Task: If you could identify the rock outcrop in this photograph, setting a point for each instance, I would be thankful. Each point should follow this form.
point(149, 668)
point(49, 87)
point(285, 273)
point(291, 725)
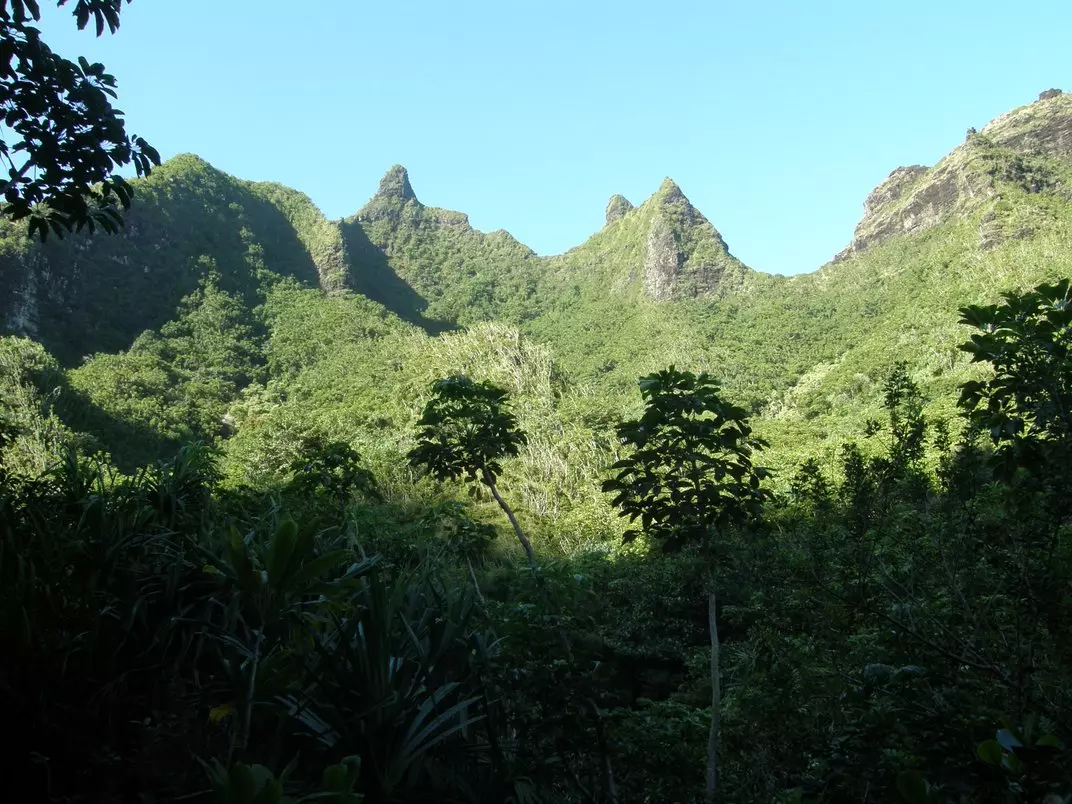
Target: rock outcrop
point(1043, 128)
point(396, 202)
point(913, 199)
point(662, 261)
point(893, 188)
point(1011, 149)
point(395, 184)
point(617, 207)
point(684, 255)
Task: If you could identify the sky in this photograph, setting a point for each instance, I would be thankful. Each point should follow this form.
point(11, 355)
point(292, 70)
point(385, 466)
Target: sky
point(775, 118)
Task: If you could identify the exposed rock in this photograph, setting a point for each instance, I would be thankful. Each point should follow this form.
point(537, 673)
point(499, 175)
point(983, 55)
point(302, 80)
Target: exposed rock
point(891, 208)
point(662, 260)
point(396, 202)
point(685, 256)
point(893, 187)
point(1013, 148)
point(1043, 128)
point(915, 199)
point(22, 314)
point(617, 207)
point(395, 184)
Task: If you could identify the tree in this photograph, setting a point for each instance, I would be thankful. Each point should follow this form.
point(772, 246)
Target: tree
point(63, 140)
point(688, 480)
point(466, 429)
point(332, 471)
point(1026, 405)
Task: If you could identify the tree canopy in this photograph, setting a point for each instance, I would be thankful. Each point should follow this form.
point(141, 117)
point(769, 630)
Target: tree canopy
point(64, 140)
point(690, 469)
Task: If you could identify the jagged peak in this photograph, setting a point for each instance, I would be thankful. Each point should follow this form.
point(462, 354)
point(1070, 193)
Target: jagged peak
point(670, 198)
point(395, 185)
point(669, 190)
point(915, 198)
point(671, 201)
point(617, 207)
point(393, 197)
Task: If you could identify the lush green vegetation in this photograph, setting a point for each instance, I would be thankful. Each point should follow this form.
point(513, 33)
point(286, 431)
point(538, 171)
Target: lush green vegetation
point(256, 470)
point(63, 142)
point(895, 628)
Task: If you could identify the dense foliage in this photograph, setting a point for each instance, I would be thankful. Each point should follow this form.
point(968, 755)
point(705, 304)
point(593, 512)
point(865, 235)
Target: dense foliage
point(238, 562)
point(295, 615)
point(64, 141)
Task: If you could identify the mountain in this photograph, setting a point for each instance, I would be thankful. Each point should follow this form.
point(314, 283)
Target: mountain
point(1027, 151)
point(658, 284)
point(893, 576)
point(429, 263)
point(89, 293)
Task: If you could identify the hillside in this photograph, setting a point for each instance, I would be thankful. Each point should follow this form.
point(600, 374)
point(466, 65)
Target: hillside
point(244, 522)
point(656, 285)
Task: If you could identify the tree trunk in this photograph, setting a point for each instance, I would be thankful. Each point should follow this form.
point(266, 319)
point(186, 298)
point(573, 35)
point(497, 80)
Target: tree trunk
point(716, 700)
point(525, 543)
point(476, 586)
point(610, 789)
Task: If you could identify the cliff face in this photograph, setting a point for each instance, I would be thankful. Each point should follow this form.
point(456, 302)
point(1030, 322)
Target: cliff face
point(663, 261)
point(1028, 149)
point(88, 293)
point(664, 249)
point(433, 268)
point(686, 256)
point(1043, 128)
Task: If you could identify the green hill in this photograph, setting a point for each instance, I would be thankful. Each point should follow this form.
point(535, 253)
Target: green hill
point(884, 616)
point(344, 316)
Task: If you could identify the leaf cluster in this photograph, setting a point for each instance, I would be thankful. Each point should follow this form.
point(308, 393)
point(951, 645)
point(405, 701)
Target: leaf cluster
point(66, 140)
point(690, 470)
point(1026, 340)
point(466, 429)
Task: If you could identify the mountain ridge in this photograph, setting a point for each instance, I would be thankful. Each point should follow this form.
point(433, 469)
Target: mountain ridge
point(656, 284)
point(1014, 146)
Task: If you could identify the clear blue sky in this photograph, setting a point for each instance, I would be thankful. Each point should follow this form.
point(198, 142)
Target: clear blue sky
point(776, 118)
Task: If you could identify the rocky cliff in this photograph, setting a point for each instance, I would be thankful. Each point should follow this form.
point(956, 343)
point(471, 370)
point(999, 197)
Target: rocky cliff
point(1026, 149)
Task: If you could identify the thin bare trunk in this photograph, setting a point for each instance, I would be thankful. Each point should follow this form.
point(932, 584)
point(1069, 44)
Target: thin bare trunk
point(476, 586)
point(610, 789)
point(247, 714)
point(521, 537)
point(716, 700)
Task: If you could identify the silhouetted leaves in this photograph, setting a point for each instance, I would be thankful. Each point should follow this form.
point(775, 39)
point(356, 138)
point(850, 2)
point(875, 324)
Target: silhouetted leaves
point(690, 470)
point(65, 140)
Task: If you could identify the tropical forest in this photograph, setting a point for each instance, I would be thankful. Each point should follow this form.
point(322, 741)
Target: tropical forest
point(389, 509)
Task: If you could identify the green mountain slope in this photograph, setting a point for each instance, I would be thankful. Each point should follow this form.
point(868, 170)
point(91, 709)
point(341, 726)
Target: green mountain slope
point(343, 315)
point(429, 263)
point(87, 293)
point(217, 601)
